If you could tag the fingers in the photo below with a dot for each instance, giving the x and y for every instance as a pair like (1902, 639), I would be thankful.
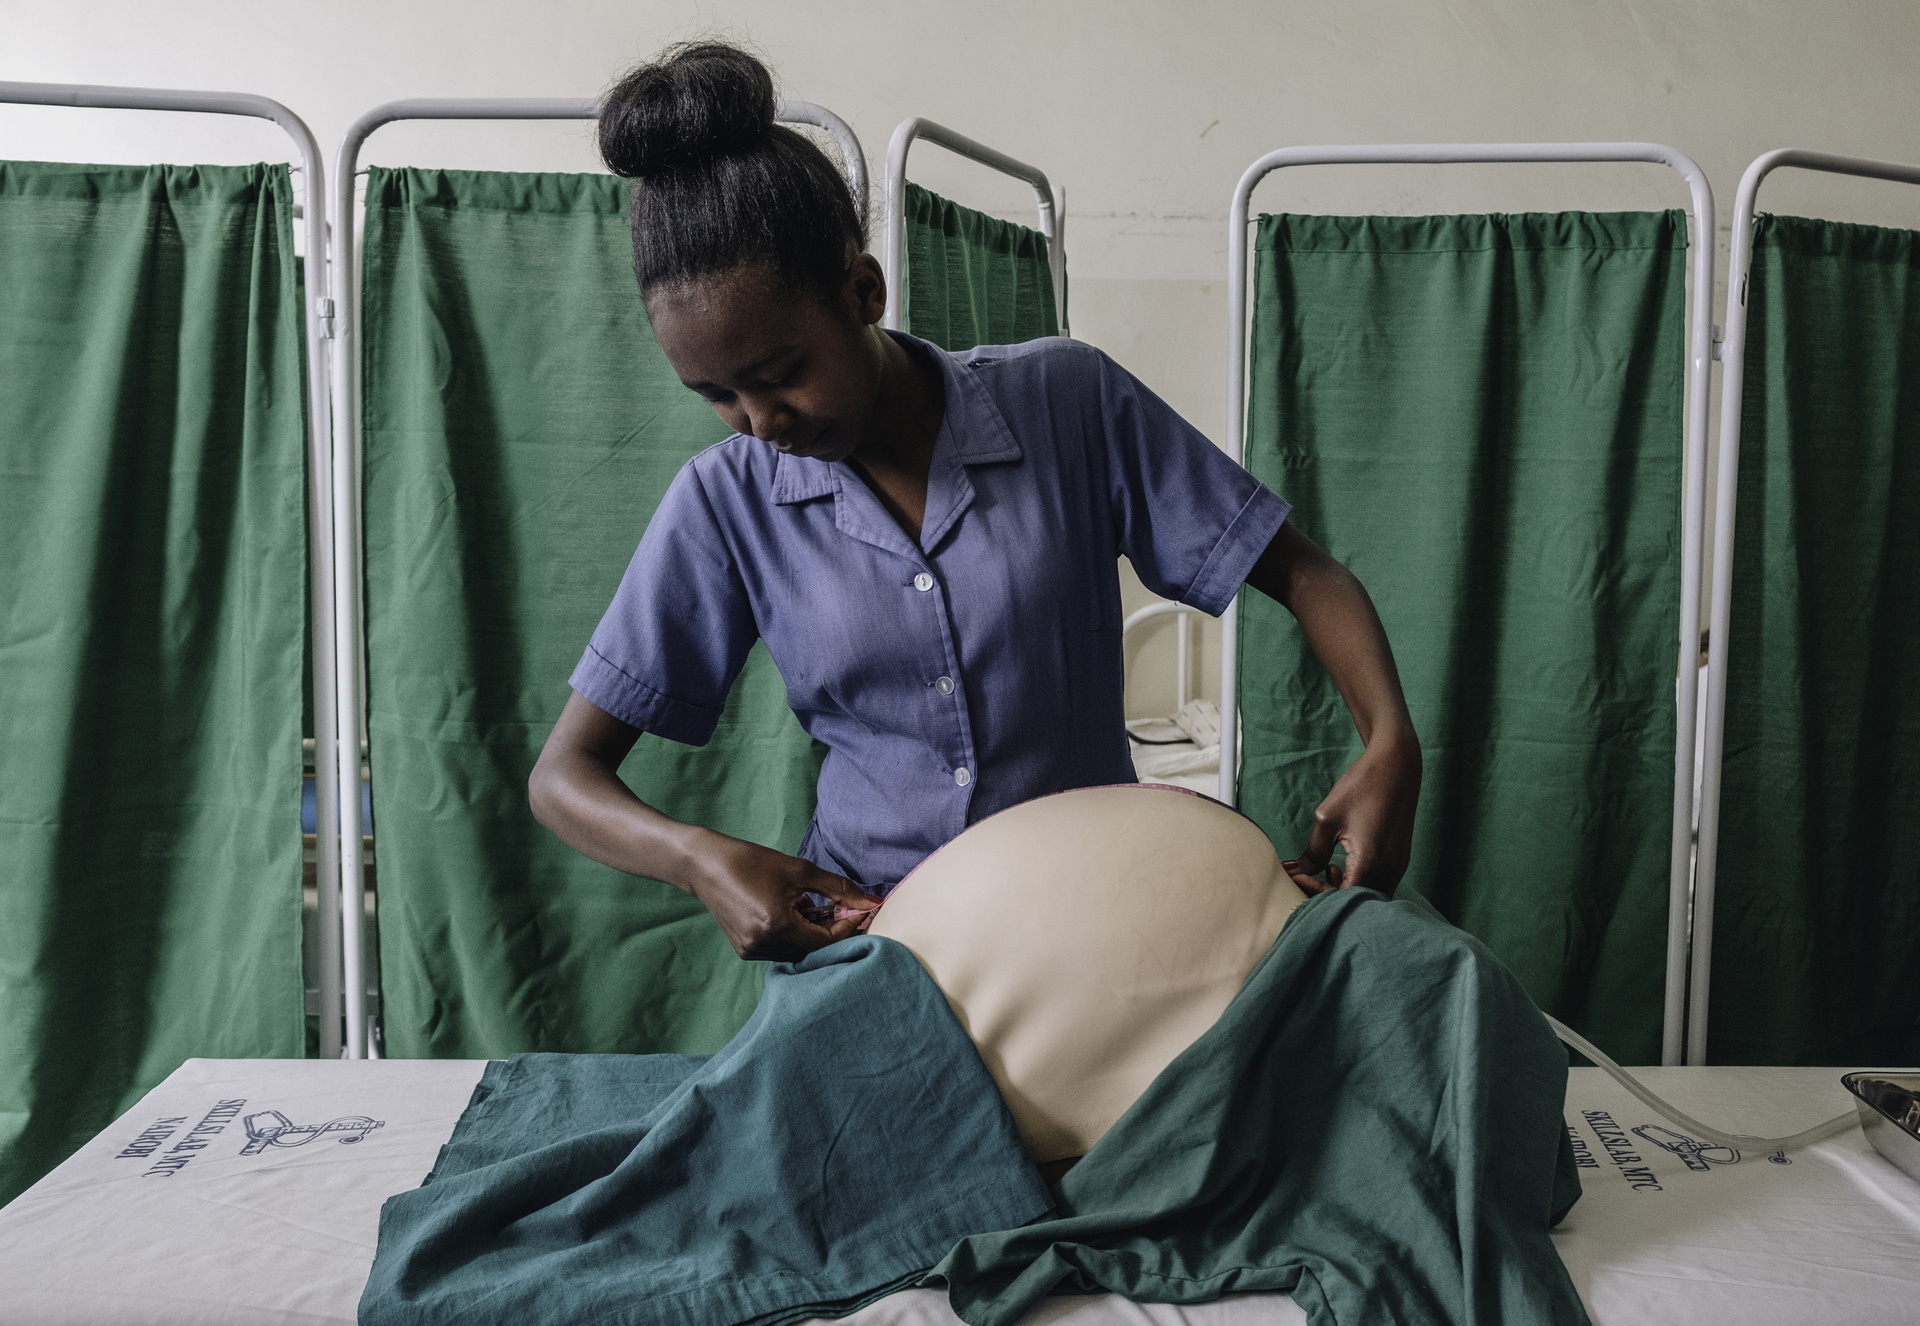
(808, 930)
(1368, 874)
(845, 928)
(1364, 872)
(1318, 856)
(1379, 870)
(787, 943)
(760, 898)
(1302, 876)
(1326, 832)
(843, 891)
(809, 937)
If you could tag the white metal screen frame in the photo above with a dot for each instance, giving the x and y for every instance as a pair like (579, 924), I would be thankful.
(348, 633)
(1700, 355)
(1726, 496)
(1051, 200)
(320, 493)
(1184, 613)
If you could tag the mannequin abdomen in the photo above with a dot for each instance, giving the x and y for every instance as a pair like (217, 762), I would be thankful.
(1085, 939)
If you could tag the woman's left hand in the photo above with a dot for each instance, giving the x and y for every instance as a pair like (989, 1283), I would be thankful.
(1370, 813)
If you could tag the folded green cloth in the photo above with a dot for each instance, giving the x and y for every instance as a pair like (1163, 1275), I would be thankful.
(831, 1153)
(1374, 1124)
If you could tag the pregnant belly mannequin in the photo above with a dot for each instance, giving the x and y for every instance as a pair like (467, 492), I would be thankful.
(1085, 939)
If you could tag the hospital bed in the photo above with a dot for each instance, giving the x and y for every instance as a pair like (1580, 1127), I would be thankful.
(1181, 749)
(248, 1192)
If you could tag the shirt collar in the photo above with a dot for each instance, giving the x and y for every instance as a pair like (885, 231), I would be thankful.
(974, 430)
(800, 479)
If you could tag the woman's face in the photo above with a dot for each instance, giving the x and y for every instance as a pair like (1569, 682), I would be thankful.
(791, 367)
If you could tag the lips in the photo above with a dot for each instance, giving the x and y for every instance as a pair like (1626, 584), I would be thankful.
(816, 445)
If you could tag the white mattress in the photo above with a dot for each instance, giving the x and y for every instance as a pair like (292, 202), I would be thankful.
(285, 1235)
(1162, 753)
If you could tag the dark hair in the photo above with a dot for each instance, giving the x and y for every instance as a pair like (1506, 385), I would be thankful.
(718, 183)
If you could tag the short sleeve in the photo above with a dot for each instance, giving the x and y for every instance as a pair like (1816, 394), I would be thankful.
(1191, 520)
(677, 633)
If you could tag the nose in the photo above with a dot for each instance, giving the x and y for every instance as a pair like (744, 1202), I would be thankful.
(768, 420)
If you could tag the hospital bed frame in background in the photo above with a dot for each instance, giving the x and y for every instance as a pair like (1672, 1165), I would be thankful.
(1726, 494)
(1051, 199)
(348, 629)
(330, 766)
(1699, 357)
(1183, 638)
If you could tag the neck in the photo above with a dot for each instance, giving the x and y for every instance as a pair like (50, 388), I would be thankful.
(908, 408)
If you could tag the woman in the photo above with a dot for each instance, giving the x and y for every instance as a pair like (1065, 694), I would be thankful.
(928, 544)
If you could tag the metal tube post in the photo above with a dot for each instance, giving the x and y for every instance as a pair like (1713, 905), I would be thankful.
(1182, 637)
(1695, 464)
(319, 317)
(1726, 500)
(1050, 200)
(349, 601)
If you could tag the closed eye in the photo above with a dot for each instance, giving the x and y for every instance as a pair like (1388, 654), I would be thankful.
(785, 377)
(769, 373)
(717, 396)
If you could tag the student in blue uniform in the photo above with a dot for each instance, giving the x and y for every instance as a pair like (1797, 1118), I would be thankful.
(927, 542)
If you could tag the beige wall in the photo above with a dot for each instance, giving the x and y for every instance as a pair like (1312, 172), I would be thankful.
(1147, 111)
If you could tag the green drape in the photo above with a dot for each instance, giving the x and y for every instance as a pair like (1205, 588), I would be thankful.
(1482, 417)
(152, 630)
(973, 279)
(1817, 908)
(520, 427)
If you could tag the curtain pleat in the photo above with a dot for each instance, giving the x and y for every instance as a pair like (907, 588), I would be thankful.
(1482, 417)
(152, 637)
(973, 279)
(1817, 903)
(521, 425)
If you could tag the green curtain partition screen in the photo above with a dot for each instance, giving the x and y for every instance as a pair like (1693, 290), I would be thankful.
(1482, 417)
(152, 632)
(521, 426)
(1817, 924)
(973, 279)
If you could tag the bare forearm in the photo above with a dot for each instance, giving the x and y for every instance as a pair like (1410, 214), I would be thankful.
(1345, 634)
(1371, 809)
(1342, 629)
(582, 800)
(762, 898)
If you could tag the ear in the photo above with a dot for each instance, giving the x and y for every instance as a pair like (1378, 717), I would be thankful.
(865, 291)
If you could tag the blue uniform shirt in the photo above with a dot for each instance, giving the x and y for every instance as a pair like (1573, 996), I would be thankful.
(976, 670)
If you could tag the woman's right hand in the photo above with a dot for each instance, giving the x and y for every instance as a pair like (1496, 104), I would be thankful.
(759, 897)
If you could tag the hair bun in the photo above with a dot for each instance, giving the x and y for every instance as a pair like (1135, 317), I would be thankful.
(698, 101)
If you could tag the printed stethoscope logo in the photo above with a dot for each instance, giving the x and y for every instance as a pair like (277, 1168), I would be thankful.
(1697, 1156)
(272, 1128)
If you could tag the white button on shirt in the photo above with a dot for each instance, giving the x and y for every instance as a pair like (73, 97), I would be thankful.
(962, 777)
(944, 685)
(923, 582)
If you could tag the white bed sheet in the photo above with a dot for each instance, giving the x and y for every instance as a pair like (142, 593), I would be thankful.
(1833, 1236)
(284, 1235)
(281, 1237)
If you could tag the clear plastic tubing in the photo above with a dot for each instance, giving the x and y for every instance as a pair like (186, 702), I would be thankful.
(1738, 1141)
